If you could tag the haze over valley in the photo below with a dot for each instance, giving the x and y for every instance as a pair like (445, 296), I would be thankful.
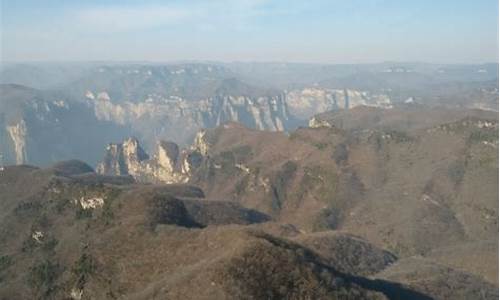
(172, 102)
(249, 150)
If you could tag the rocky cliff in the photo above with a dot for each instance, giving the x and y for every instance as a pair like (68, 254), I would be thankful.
(102, 103)
(40, 127)
(167, 165)
(179, 119)
(18, 133)
(308, 102)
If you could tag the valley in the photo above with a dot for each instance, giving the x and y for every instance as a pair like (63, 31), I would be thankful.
(197, 181)
(173, 102)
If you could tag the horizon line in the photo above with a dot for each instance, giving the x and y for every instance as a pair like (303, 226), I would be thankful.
(208, 61)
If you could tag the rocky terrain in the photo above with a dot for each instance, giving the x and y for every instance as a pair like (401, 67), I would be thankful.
(250, 214)
(434, 169)
(179, 119)
(41, 127)
(154, 117)
(174, 101)
(80, 235)
(205, 182)
(168, 165)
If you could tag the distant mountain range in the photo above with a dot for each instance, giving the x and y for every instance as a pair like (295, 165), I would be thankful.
(93, 104)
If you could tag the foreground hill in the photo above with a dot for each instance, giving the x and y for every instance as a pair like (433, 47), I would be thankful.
(80, 235)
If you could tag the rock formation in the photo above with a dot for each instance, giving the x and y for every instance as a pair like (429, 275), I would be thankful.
(18, 134)
(167, 165)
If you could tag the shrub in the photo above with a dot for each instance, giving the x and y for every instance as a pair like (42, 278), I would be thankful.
(169, 210)
(61, 205)
(282, 178)
(318, 181)
(320, 146)
(82, 213)
(326, 219)
(107, 211)
(340, 154)
(50, 244)
(84, 267)
(5, 262)
(28, 245)
(42, 277)
(242, 185)
(241, 153)
(400, 136)
(456, 172)
(25, 208)
(478, 136)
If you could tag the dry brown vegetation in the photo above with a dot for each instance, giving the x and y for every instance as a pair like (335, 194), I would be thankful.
(324, 213)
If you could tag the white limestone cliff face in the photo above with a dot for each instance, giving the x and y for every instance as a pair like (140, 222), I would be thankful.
(168, 154)
(113, 167)
(317, 123)
(201, 143)
(90, 202)
(38, 236)
(191, 161)
(18, 133)
(264, 113)
(133, 155)
(76, 294)
(178, 119)
(173, 115)
(362, 98)
(165, 164)
(42, 127)
(122, 159)
(311, 101)
(168, 164)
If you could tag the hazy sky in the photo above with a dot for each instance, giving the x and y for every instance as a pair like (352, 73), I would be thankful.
(330, 31)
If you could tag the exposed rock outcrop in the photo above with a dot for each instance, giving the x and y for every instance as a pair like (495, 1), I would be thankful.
(179, 119)
(167, 165)
(311, 101)
(274, 112)
(18, 133)
(201, 143)
(317, 123)
(42, 127)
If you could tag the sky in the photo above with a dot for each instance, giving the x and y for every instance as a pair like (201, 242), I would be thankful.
(314, 31)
